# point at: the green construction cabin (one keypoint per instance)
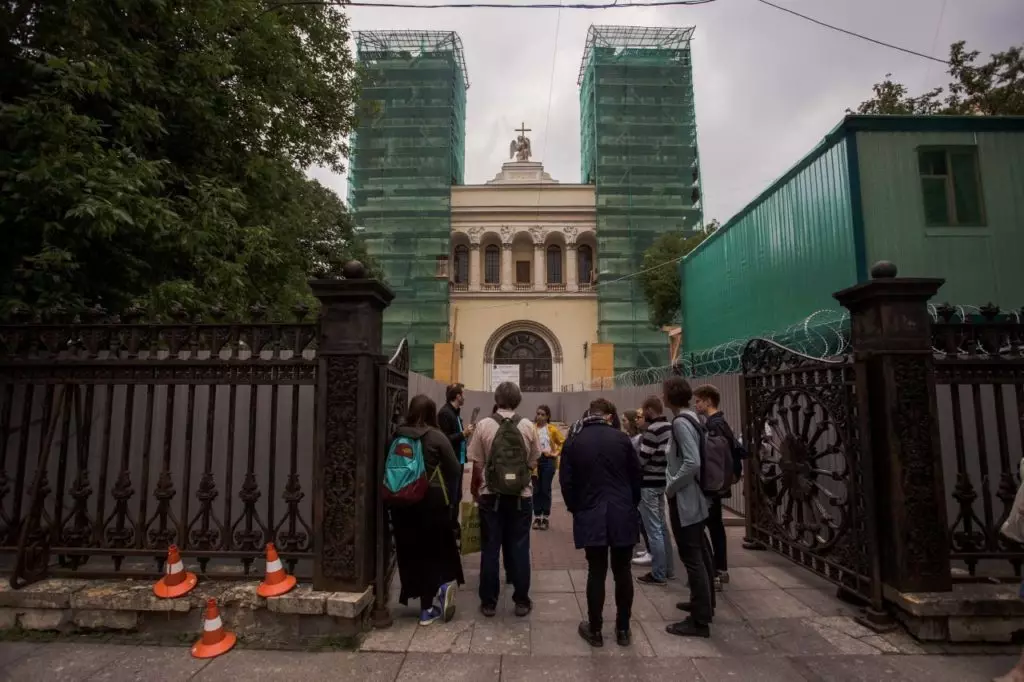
(939, 196)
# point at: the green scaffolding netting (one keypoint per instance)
(407, 152)
(639, 147)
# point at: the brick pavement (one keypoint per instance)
(775, 622)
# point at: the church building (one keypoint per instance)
(524, 278)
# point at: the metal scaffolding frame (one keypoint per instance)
(670, 39)
(406, 155)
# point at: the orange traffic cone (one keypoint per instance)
(278, 581)
(215, 640)
(177, 581)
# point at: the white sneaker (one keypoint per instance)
(642, 559)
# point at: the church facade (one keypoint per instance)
(523, 278)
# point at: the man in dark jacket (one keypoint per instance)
(600, 481)
(706, 400)
(449, 418)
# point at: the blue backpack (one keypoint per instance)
(405, 473)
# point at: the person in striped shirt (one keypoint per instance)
(654, 445)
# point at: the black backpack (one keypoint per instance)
(507, 471)
(716, 453)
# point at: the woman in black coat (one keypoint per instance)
(429, 564)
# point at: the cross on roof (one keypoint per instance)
(522, 130)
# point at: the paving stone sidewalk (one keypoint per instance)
(775, 622)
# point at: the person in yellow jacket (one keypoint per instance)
(551, 441)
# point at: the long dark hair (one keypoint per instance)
(632, 428)
(422, 412)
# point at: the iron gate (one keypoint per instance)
(393, 395)
(810, 484)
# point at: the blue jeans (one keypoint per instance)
(505, 527)
(652, 512)
(542, 492)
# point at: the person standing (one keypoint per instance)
(632, 426)
(600, 481)
(550, 441)
(450, 420)
(503, 452)
(654, 446)
(429, 565)
(705, 401)
(688, 510)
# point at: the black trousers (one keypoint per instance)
(597, 573)
(695, 553)
(716, 529)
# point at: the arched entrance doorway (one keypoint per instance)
(532, 354)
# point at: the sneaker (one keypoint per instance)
(536, 523)
(446, 595)
(718, 584)
(594, 639)
(623, 637)
(430, 615)
(489, 610)
(545, 523)
(642, 559)
(523, 610)
(687, 628)
(649, 579)
(724, 577)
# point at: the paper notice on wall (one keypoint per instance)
(503, 373)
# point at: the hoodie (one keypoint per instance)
(437, 453)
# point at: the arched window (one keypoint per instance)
(461, 264)
(492, 265)
(585, 264)
(554, 264)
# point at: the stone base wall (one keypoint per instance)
(299, 619)
(970, 613)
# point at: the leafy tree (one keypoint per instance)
(660, 273)
(992, 89)
(153, 152)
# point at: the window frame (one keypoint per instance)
(579, 262)
(953, 221)
(460, 264)
(489, 249)
(553, 260)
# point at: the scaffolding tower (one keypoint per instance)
(639, 148)
(407, 151)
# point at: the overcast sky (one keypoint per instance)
(768, 85)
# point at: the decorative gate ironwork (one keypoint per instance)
(393, 395)
(809, 487)
(119, 438)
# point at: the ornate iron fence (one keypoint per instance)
(979, 372)
(809, 484)
(119, 438)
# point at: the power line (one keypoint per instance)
(490, 5)
(907, 50)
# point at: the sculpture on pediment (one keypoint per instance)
(570, 234)
(506, 234)
(538, 236)
(474, 235)
(520, 146)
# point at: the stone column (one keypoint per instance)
(571, 274)
(507, 276)
(540, 271)
(474, 267)
(345, 441)
(890, 332)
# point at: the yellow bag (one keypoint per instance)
(471, 543)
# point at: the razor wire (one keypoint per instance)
(824, 334)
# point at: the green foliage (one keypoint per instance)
(660, 273)
(153, 153)
(995, 88)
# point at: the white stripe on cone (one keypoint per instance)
(274, 566)
(176, 567)
(212, 624)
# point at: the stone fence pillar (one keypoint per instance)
(345, 461)
(890, 332)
